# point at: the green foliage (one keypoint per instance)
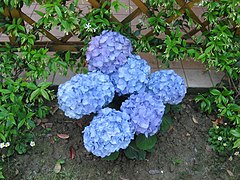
(221, 140)
(133, 152)
(146, 143)
(22, 96)
(112, 156)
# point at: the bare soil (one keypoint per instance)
(182, 153)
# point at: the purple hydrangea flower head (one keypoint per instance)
(108, 52)
(145, 111)
(84, 94)
(167, 86)
(131, 77)
(108, 132)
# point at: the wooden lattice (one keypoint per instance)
(64, 43)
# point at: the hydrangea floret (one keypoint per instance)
(132, 77)
(145, 111)
(108, 132)
(84, 94)
(167, 86)
(108, 52)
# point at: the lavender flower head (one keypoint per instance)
(108, 132)
(108, 52)
(84, 94)
(167, 86)
(131, 77)
(145, 112)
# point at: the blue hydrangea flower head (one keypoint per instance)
(84, 94)
(108, 132)
(167, 86)
(108, 52)
(132, 77)
(145, 113)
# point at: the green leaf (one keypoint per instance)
(21, 148)
(236, 143)
(45, 94)
(132, 152)
(21, 123)
(5, 91)
(112, 156)
(175, 50)
(234, 107)
(35, 94)
(167, 122)
(30, 124)
(31, 86)
(67, 56)
(2, 137)
(236, 133)
(59, 13)
(215, 92)
(39, 13)
(144, 143)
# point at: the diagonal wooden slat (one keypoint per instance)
(142, 6)
(182, 10)
(31, 22)
(131, 16)
(192, 14)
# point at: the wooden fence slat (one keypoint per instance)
(63, 43)
(192, 14)
(31, 22)
(142, 6)
(131, 16)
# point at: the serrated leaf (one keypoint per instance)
(145, 143)
(132, 152)
(167, 121)
(112, 156)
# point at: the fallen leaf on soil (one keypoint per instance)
(218, 121)
(188, 135)
(79, 123)
(208, 148)
(194, 120)
(230, 173)
(63, 136)
(38, 121)
(54, 109)
(170, 130)
(72, 153)
(123, 178)
(44, 120)
(48, 125)
(57, 167)
(16, 172)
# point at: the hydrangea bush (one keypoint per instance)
(113, 69)
(132, 77)
(108, 132)
(167, 86)
(108, 52)
(84, 94)
(145, 111)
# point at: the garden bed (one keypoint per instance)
(182, 153)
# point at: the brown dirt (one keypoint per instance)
(183, 153)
